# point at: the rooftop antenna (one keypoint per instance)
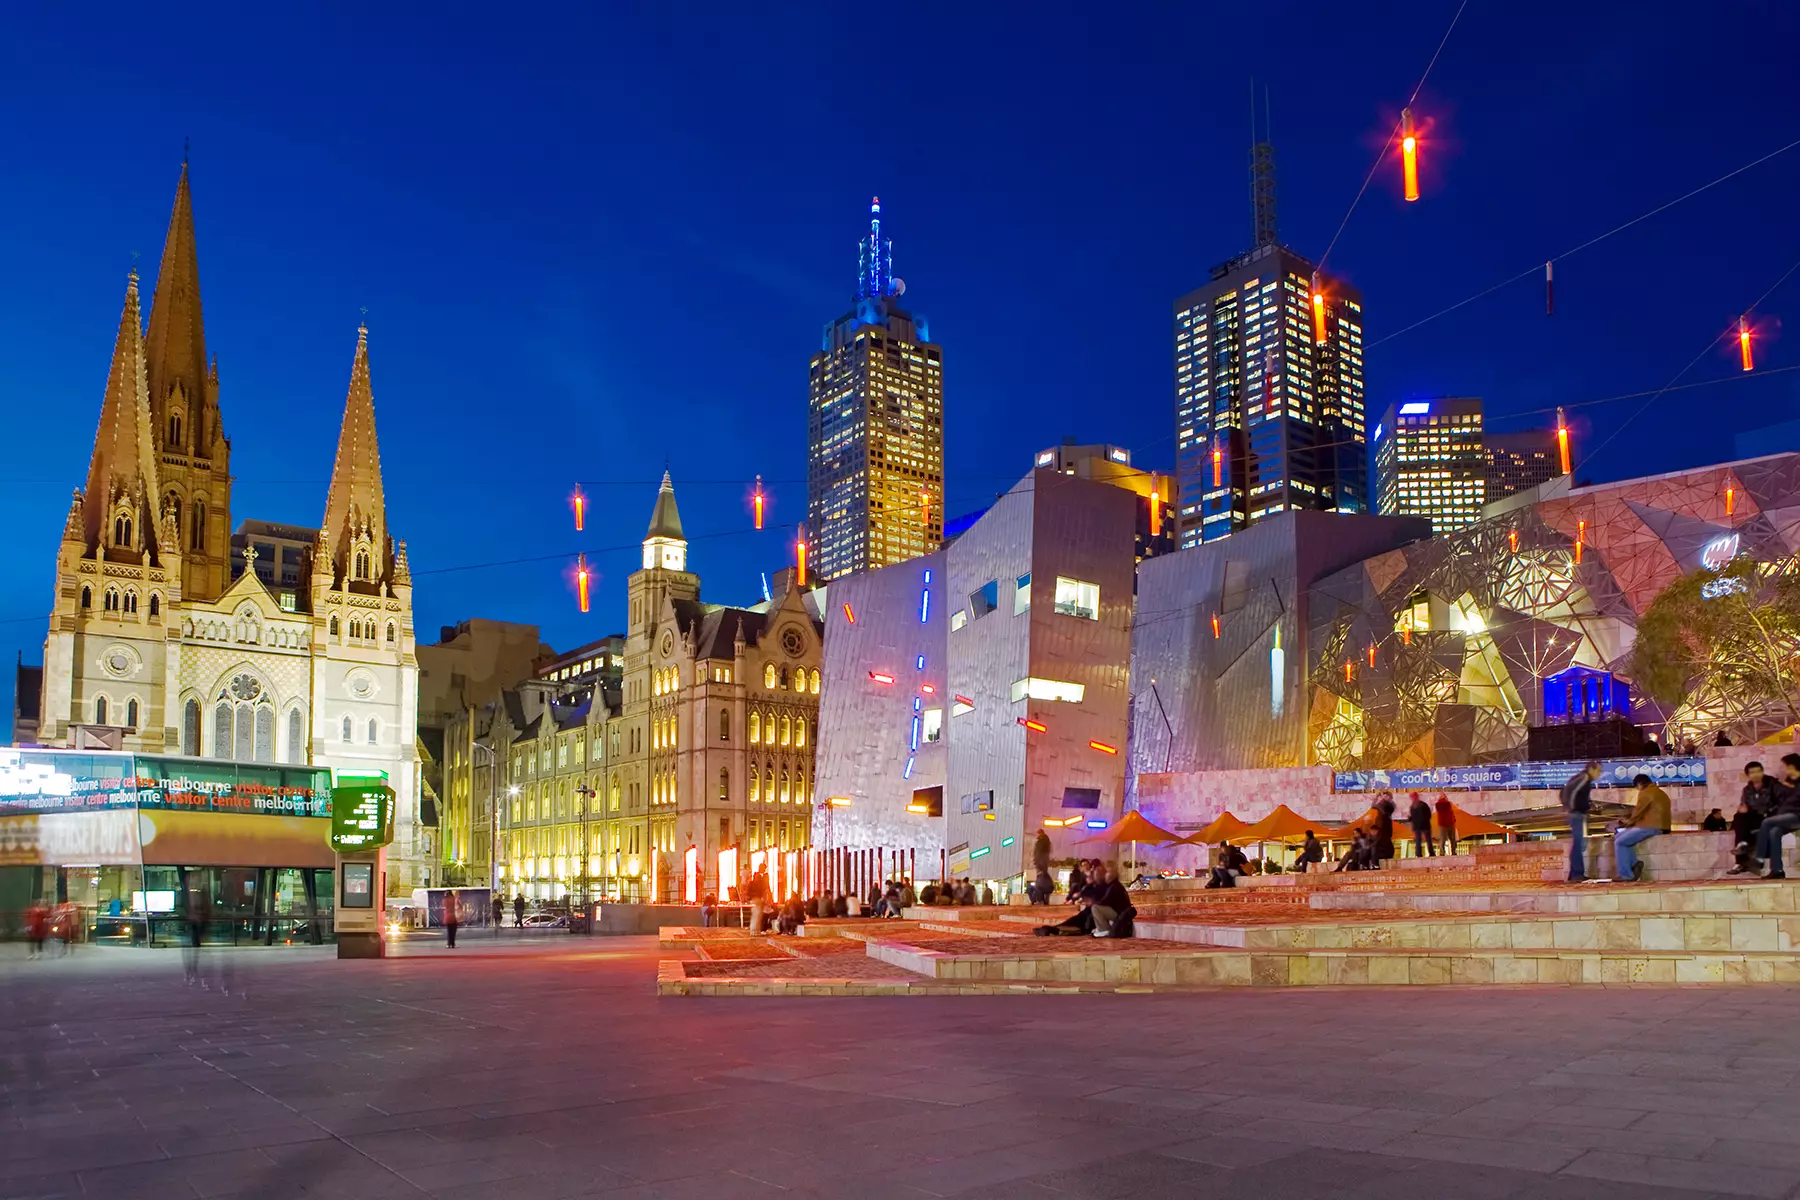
(1262, 174)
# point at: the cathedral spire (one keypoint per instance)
(355, 509)
(118, 507)
(176, 343)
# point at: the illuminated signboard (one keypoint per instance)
(1414, 408)
(362, 816)
(55, 781)
(1720, 551)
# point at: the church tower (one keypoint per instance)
(107, 656)
(664, 574)
(365, 685)
(192, 451)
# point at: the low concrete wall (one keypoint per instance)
(616, 919)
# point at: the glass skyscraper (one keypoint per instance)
(875, 427)
(1269, 407)
(1429, 462)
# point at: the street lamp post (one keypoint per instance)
(587, 795)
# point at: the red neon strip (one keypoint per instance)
(1034, 726)
(878, 677)
(965, 700)
(849, 613)
(928, 689)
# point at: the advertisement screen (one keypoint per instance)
(359, 885)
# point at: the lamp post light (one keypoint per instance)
(586, 795)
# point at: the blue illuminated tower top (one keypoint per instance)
(875, 260)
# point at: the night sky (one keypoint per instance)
(590, 243)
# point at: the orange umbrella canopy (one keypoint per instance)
(1133, 827)
(1467, 825)
(1224, 828)
(1282, 825)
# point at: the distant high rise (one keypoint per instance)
(1516, 461)
(875, 427)
(1269, 416)
(1429, 463)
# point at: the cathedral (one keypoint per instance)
(165, 638)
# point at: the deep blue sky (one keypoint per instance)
(593, 239)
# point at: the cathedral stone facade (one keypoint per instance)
(154, 647)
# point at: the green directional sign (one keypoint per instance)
(362, 816)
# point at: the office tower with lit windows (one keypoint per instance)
(1429, 462)
(1516, 461)
(875, 427)
(1269, 408)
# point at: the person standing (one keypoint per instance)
(1384, 830)
(1446, 823)
(1576, 802)
(1781, 822)
(1418, 815)
(37, 926)
(1650, 818)
(499, 911)
(757, 893)
(519, 911)
(452, 918)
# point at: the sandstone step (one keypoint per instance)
(1722, 896)
(1764, 932)
(1215, 967)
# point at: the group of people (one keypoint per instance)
(60, 924)
(1650, 817)
(1768, 810)
(1103, 905)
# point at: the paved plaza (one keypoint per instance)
(546, 1066)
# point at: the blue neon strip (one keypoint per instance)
(924, 606)
(918, 703)
(907, 774)
(915, 734)
(921, 662)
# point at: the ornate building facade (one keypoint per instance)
(707, 741)
(154, 647)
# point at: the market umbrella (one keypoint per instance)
(1282, 825)
(1224, 828)
(1133, 827)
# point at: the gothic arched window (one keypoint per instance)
(755, 727)
(769, 675)
(131, 713)
(100, 710)
(296, 737)
(130, 600)
(198, 539)
(347, 734)
(814, 688)
(374, 731)
(362, 564)
(334, 625)
(122, 531)
(787, 731)
(799, 731)
(222, 729)
(87, 596)
(174, 507)
(190, 727)
(112, 599)
(155, 606)
(175, 430)
(724, 724)
(724, 784)
(392, 633)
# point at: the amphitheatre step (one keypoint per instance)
(1711, 896)
(1764, 932)
(1396, 966)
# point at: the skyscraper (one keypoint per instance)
(875, 427)
(1429, 462)
(1269, 412)
(1516, 461)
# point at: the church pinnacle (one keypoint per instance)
(176, 341)
(121, 488)
(355, 508)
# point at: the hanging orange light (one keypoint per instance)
(1580, 538)
(1409, 154)
(925, 510)
(581, 580)
(1512, 536)
(580, 502)
(1155, 505)
(800, 559)
(1215, 624)
(1318, 303)
(1562, 439)
(756, 502)
(1744, 344)
(1371, 654)
(1347, 670)
(1218, 463)
(1406, 636)
(1730, 499)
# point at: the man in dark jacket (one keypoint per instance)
(1744, 824)
(1576, 803)
(1759, 790)
(1112, 909)
(1418, 815)
(1311, 852)
(1783, 821)
(1384, 829)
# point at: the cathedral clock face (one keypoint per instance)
(668, 643)
(792, 642)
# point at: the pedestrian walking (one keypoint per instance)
(452, 918)
(519, 911)
(1418, 815)
(1446, 823)
(499, 912)
(1576, 802)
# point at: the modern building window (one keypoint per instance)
(1022, 594)
(1047, 689)
(984, 599)
(100, 710)
(1076, 598)
(958, 619)
(934, 724)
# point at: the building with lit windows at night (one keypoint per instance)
(875, 427)
(1269, 407)
(1514, 462)
(976, 695)
(1429, 462)
(619, 778)
(169, 641)
(1112, 464)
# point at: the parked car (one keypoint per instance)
(546, 921)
